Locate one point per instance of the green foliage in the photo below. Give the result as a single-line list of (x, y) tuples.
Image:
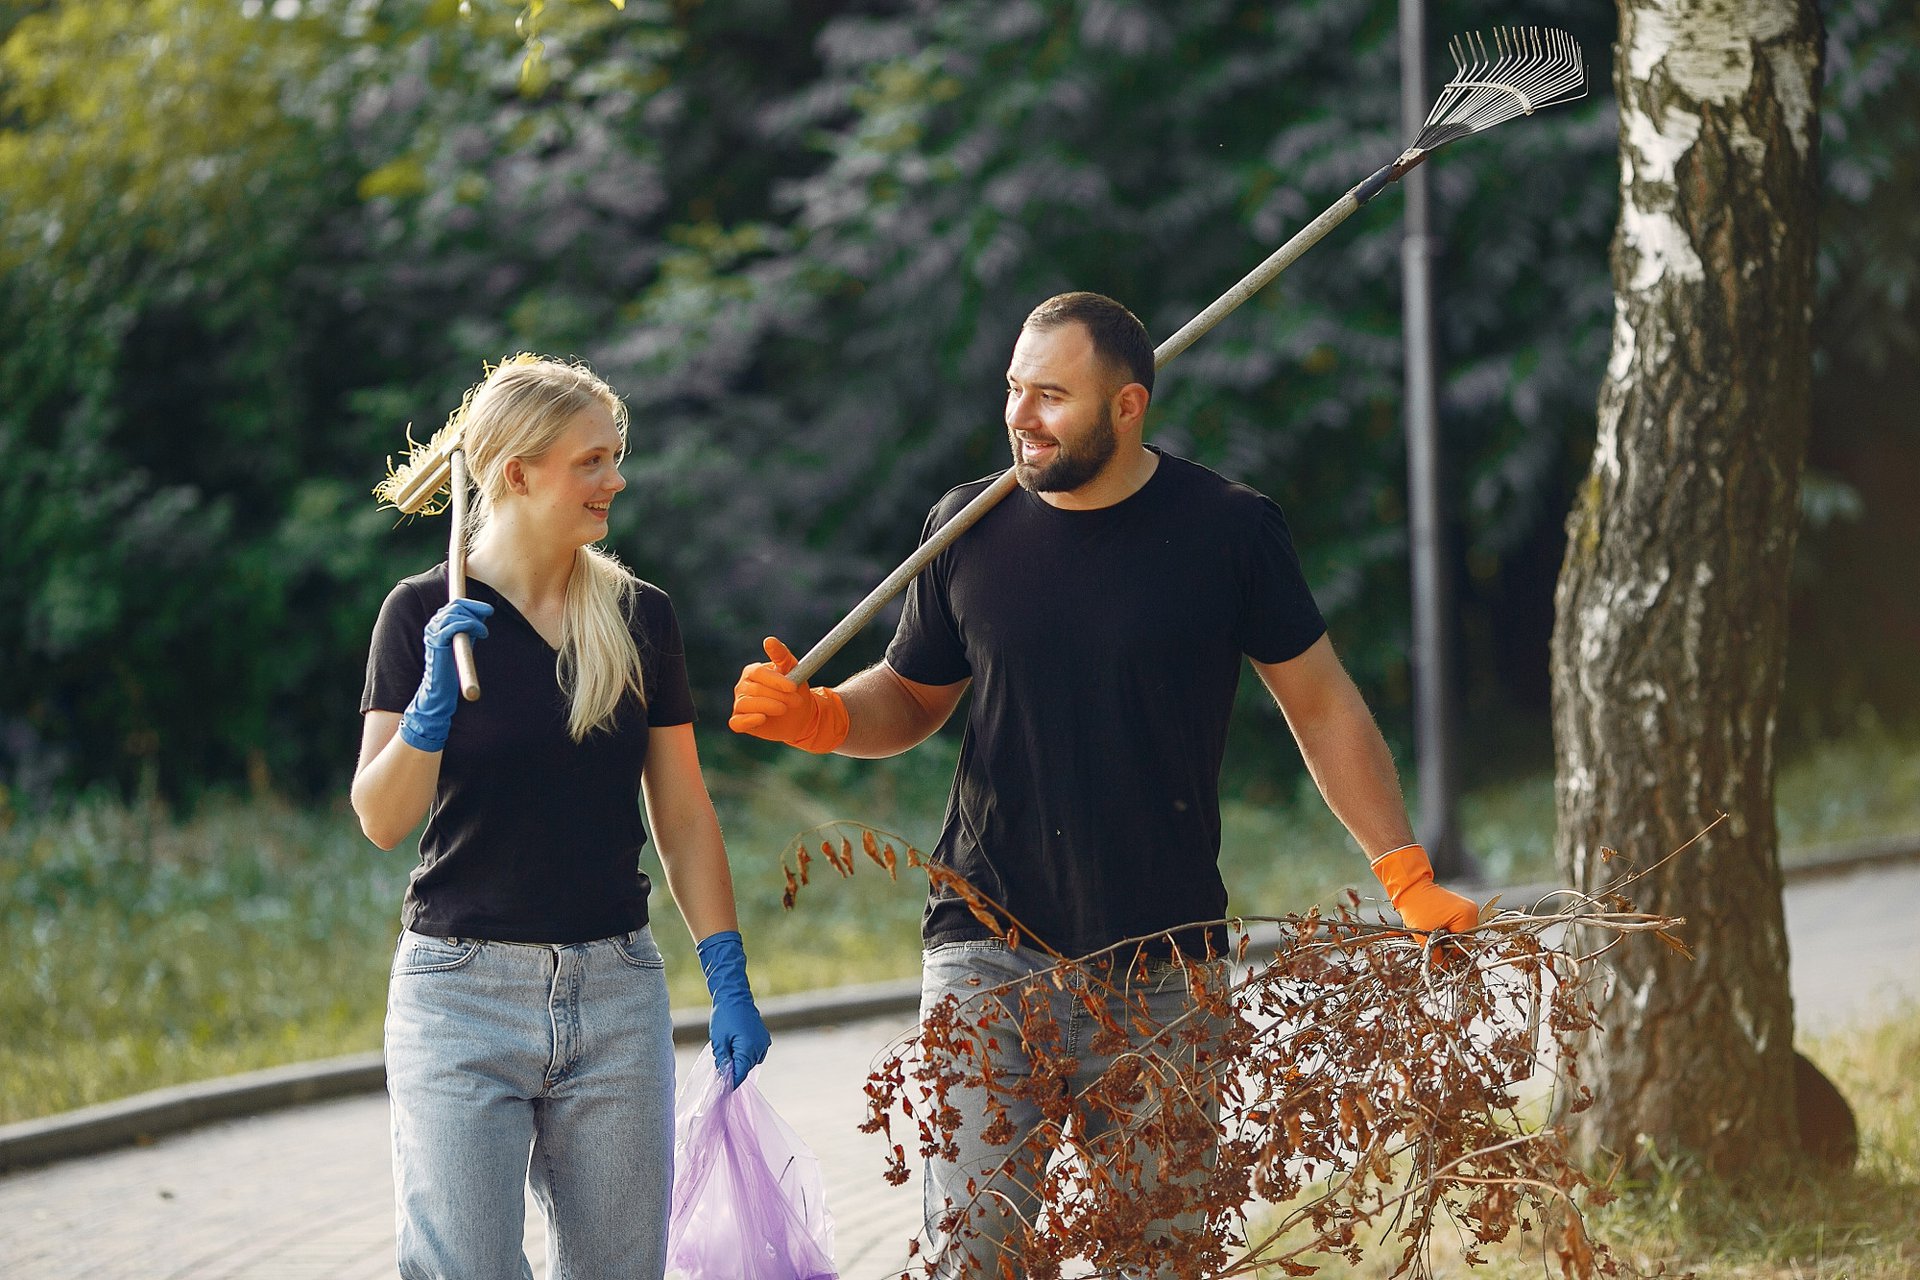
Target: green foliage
[(1856, 618), (242, 251), (980, 156), (145, 951), (160, 379)]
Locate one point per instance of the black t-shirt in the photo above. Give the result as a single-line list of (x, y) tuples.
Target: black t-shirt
[(1105, 647), (532, 837)]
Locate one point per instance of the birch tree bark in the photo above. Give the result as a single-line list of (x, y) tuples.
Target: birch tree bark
[(1670, 631)]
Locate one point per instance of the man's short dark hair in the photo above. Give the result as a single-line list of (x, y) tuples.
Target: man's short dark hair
[(1118, 336)]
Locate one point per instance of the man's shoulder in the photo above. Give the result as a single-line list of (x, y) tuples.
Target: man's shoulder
[(959, 496), (1197, 483)]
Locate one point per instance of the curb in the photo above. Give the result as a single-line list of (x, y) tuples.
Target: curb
[(144, 1117)]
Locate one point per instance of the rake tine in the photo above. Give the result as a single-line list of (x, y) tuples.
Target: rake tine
[(1530, 68)]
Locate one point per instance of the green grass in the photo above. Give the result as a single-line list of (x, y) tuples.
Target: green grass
[(143, 952), (1860, 1225), (143, 949)]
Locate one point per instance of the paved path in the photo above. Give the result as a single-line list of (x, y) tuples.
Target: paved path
[(307, 1192)]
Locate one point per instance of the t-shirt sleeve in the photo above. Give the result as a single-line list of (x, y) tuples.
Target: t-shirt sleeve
[(926, 646), (663, 656), (1280, 619), (397, 656)]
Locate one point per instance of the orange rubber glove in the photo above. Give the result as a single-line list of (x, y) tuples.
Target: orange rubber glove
[(1422, 904), (768, 705)]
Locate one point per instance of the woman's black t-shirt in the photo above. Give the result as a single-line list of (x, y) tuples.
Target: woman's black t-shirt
[(532, 837)]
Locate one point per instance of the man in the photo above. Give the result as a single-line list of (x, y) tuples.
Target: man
[(1100, 614)]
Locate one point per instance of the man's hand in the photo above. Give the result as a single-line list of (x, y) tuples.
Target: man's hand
[(766, 704), (1422, 904)]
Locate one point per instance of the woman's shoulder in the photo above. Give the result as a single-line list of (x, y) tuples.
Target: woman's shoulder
[(650, 611), (426, 584), (417, 595)]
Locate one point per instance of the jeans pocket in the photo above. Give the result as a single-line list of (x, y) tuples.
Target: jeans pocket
[(423, 953), (639, 950)]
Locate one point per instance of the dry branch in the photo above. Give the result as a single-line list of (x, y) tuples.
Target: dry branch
[(1340, 1086)]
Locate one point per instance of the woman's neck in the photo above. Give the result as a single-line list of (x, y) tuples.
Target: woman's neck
[(532, 575)]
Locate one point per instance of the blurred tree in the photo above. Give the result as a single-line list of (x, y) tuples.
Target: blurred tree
[(1855, 616), (155, 191), (243, 244), (824, 374), (1670, 643)]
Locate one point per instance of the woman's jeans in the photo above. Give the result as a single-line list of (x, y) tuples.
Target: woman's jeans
[(1003, 1176), (548, 1066)]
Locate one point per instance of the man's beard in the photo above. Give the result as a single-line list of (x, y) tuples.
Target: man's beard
[(1073, 465)]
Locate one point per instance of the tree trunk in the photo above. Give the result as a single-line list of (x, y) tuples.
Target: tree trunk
[(1670, 631)]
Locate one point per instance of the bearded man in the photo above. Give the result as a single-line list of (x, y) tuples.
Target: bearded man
[(1100, 615)]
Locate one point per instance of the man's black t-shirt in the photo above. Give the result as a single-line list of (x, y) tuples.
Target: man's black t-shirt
[(532, 837), (1104, 648)]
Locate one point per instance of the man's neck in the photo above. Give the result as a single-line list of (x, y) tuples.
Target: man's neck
[(1125, 474)]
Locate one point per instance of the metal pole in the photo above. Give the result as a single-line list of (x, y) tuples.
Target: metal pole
[(1434, 712)]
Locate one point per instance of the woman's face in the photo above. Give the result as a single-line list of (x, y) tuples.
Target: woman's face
[(569, 488)]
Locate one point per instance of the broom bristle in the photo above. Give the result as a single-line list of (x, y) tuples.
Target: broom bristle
[(420, 486), (1530, 68)]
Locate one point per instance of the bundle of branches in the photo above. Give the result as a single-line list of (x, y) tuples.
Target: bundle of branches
[(1332, 1084)]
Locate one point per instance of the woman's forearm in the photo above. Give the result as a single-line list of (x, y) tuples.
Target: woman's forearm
[(394, 784)]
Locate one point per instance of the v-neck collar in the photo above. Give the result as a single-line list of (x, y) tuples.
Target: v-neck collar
[(501, 604)]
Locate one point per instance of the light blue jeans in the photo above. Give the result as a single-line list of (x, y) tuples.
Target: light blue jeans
[(1004, 1175), (511, 1065)]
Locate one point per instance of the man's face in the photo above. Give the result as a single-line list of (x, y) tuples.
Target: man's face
[(1059, 409)]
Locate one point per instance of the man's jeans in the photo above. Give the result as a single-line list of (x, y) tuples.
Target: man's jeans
[(1005, 1176), (501, 1051)]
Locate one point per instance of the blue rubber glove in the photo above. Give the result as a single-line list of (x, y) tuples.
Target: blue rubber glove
[(425, 722), (740, 1039)]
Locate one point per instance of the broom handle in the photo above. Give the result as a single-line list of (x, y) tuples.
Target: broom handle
[(457, 578), (1254, 281)]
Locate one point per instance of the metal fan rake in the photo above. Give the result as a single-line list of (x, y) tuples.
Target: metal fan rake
[(1530, 68)]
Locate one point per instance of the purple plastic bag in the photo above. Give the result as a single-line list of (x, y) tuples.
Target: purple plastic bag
[(747, 1202)]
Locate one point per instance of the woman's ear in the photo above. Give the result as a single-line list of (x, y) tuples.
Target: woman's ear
[(515, 475)]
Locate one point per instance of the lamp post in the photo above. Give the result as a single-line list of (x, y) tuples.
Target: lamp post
[(1433, 622)]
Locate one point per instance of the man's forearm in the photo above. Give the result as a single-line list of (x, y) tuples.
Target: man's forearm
[(1354, 770), (887, 715)]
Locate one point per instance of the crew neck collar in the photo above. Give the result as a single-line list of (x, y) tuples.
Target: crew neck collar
[(1151, 485)]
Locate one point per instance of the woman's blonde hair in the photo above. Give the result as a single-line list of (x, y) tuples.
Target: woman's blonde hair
[(520, 410)]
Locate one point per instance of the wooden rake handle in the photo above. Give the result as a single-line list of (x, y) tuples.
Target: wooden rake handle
[(457, 577), (965, 518)]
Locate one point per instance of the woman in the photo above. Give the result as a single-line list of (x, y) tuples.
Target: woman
[(528, 1034)]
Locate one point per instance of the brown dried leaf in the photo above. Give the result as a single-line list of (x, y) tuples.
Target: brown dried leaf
[(1673, 942)]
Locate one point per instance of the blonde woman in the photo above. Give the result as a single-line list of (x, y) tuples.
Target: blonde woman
[(528, 1034)]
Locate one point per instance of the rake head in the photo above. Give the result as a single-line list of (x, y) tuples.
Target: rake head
[(1530, 68)]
